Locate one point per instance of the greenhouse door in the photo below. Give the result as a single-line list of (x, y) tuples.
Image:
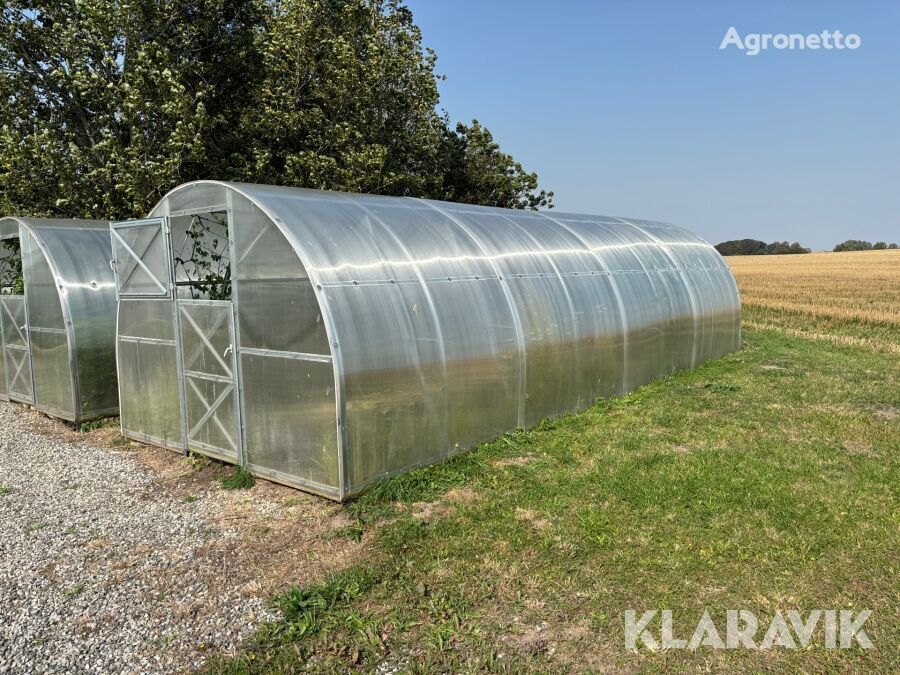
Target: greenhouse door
[(210, 377), (16, 348)]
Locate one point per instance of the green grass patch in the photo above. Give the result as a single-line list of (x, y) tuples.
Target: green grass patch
[(765, 480), (238, 479)]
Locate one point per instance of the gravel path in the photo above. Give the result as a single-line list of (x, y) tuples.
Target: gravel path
[(102, 569)]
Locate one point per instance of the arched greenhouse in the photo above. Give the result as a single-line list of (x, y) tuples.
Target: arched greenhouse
[(326, 340), (58, 317)]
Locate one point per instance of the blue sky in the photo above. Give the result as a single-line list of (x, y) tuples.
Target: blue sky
[(631, 108)]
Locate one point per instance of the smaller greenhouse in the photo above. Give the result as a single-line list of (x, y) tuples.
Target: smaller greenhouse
[(327, 340), (58, 317)]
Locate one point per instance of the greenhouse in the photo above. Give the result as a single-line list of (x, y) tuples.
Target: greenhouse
[(58, 317), (327, 340)]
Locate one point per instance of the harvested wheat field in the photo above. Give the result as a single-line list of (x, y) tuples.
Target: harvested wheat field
[(861, 285), (850, 298)]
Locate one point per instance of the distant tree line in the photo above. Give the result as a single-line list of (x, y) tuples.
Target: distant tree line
[(860, 245), (757, 247)]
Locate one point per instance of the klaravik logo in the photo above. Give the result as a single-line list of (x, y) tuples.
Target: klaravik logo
[(789, 630)]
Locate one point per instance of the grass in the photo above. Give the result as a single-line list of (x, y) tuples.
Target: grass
[(764, 480), (72, 591), (238, 479), (767, 480)]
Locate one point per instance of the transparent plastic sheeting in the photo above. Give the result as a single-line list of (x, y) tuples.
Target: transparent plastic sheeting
[(376, 334), (59, 337)]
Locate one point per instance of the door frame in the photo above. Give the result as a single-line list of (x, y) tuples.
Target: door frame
[(25, 331), (184, 374)]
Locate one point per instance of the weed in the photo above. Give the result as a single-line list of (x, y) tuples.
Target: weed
[(76, 589), (354, 532), (190, 499), (5, 490), (93, 425), (238, 479), (197, 462)]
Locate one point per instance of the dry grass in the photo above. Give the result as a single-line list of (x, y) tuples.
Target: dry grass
[(862, 286)]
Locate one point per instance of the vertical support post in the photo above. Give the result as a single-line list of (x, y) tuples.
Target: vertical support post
[(236, 334)]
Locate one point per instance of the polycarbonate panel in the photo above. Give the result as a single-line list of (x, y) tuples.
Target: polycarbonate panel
[(200, 196), (481, 353), (269, 274), (291, 431), (207, 357), (714, 288), (52, 380), (86, 286), (597, 317), (15, 348), (41, 292), (542, 305), (148, 372), (447, 324)]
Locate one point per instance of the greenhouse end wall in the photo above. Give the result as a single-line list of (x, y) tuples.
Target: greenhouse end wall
[(59, 335), (364, 335)]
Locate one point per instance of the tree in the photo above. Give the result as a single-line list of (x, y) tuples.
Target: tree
[(853, 245), (879, 245), (742, 247), (477, 171), (757, 247), (893, 246), (105, 105)]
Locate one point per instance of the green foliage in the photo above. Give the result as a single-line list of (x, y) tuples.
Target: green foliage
[(853, 245), (105, 106), (204, 260), (862, 245), (238, 479), (757, 247), (476, 171), (91, 426), (11, 279)]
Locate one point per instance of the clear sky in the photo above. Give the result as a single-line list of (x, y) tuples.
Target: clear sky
[(631, 109)]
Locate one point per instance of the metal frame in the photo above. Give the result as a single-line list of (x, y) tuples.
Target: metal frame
[(230, 368), (165, 286)]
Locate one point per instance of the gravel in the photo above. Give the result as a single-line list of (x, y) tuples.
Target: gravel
[(102, 569)]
